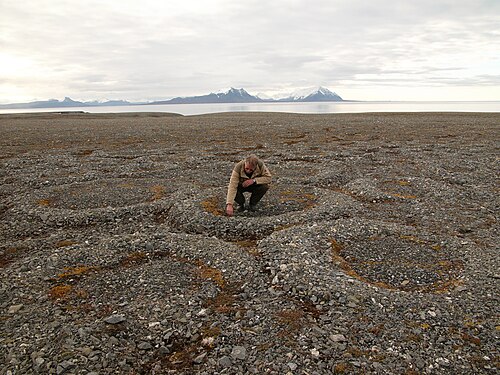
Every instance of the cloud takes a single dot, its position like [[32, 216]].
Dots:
[[154, 50]]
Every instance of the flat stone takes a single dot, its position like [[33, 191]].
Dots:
[[145, 346], [64, 366], [225, 362], [15, 308], [39, 361], [115, 319], [239, 352], [338, 338], [199, 359], [202, 312], [292, 366]]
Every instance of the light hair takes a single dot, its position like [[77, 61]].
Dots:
[[252, 160]]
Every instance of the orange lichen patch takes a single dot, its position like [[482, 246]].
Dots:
[[133, 258], [60, 291], [293, 320], [336, 247], [306, 199], [246, 243], [65, 243], [209, 331], [378, 329], [45, 202], [219, 141], [283, 227], [413, 239], [7, 257], [4, 261], [85, 152], [250, 246], [398, 182], [75, 271], [471, 339], [294, 139], [398, 195], [254, 252], [212, 274], [441, 287], [446, 264], [341, 368], [81, 293], [183, 358], [356, 352], [222, 303], [126, 185], [212, 206], [158, 192]]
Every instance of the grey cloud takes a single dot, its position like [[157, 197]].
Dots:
[[132, 47]]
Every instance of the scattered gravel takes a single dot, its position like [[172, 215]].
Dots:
[[374, 251]]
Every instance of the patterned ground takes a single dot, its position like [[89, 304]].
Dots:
[[375, 250]]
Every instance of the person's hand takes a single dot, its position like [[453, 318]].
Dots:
[[247, 183], [229, 210]]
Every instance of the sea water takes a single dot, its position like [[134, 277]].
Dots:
[[316, 107]]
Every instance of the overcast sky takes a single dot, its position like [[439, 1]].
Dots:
[[148, 50]]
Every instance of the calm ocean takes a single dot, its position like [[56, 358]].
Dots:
[[320, 107]]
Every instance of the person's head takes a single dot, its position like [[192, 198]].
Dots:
[[251, 163]]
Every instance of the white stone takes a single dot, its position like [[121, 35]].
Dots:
[[15, 308]]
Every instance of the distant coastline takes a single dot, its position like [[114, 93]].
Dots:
[[233, 95]]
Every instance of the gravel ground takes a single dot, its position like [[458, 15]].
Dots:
[[374, 252]]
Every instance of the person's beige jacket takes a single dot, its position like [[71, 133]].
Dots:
[[261, 175]]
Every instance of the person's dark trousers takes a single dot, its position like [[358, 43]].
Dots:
[[257, 192]]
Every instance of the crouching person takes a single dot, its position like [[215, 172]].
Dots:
[[249, 175]]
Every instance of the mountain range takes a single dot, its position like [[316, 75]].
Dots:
[[319, 94]]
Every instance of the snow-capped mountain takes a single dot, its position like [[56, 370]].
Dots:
[[230, 96], [317, 94]]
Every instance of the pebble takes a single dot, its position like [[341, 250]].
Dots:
[[338, 338], [200, 358], [115, 319], [292, 366], [39, 361], [239, 352], [64, 366], [315, 352], [14, 309], [144, 346], [225, 362]]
